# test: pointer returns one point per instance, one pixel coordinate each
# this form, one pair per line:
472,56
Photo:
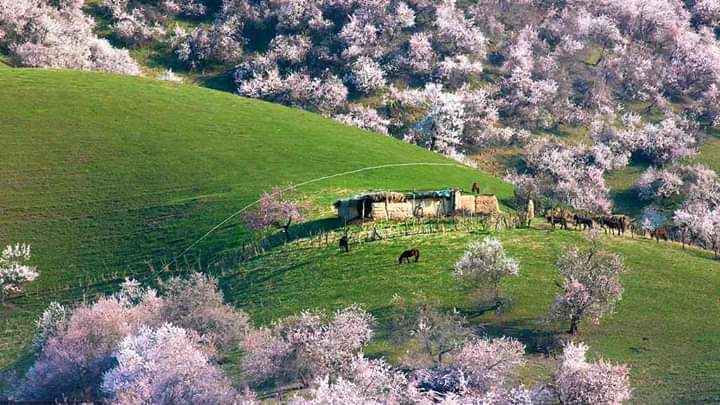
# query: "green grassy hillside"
102,173
666,327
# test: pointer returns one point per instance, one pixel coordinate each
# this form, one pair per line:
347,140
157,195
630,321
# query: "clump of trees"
590,285
15,271
692,193
139,346
301,348
573,176
579,382
57,34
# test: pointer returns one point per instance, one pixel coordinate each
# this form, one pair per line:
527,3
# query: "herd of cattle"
609,223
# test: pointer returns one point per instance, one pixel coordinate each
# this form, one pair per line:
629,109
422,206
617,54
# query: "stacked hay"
487,205
478,204
387,196
393,210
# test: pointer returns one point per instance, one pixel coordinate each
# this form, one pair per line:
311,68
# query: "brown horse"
475,188
406,255
660,233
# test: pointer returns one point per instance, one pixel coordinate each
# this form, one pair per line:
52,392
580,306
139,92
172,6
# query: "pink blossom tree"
274,210
490,364
579,382
366,382
203,46
365,118
78,352
196,303
567,175
654,184
666,142
167,366
367,75
300,348
77,347
44,33
590,285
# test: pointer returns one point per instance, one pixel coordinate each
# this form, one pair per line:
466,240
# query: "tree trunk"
286,231
573,325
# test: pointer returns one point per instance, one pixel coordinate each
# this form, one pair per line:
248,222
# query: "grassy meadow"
666,327
104,174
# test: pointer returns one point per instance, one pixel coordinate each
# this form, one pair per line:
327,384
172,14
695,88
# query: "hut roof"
430,194
395,197
389,196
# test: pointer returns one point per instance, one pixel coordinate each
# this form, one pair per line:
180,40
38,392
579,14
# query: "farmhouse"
387,205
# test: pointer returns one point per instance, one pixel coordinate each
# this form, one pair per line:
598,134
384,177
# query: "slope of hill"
102,172
665,327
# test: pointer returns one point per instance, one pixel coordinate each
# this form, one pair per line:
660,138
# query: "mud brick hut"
383,206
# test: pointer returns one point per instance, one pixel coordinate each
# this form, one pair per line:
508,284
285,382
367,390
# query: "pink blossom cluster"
590,284
57,34
274,209
579,382
303,347
567,174
136,346
655,184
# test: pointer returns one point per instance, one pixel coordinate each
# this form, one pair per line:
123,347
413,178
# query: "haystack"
387,196
479,204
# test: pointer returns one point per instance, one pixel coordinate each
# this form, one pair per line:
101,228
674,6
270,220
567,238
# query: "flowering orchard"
142,346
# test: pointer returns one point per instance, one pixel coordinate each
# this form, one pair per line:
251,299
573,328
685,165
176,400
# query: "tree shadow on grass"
11,376
537,338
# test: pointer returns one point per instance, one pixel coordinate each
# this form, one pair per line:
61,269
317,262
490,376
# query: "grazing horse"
660,233
344,246
557,217
614,222
406,255
475,188
586,222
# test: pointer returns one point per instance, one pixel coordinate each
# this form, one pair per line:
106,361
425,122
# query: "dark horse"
406,255
614,222
555,217
585,222
475,188
344,244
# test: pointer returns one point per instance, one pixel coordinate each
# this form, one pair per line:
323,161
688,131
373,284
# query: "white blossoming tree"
14,270
579,382
485,263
